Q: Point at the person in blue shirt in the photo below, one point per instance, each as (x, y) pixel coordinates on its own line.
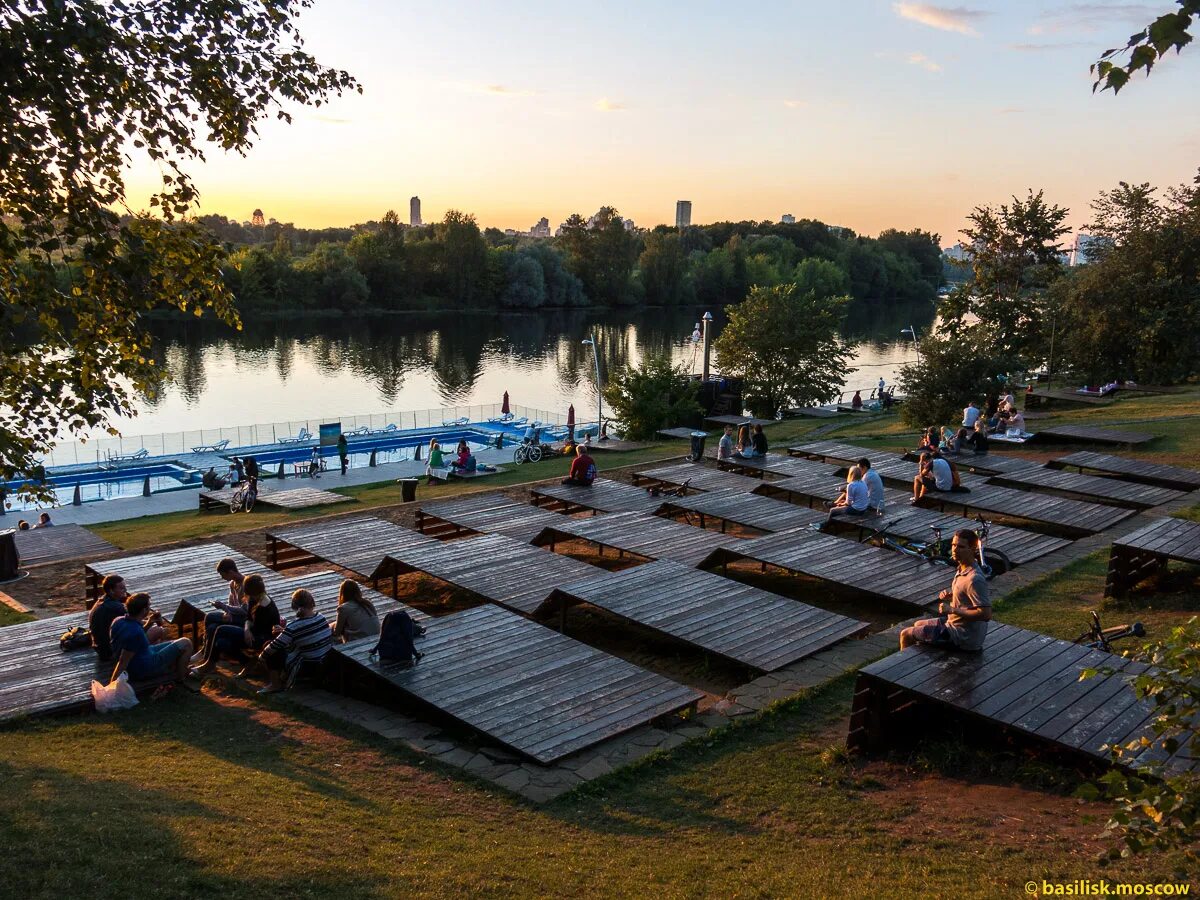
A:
(133, 649)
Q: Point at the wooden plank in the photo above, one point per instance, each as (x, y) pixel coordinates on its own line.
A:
(737, 421)
(740, 508)
(652, 537)
(41, 546)
(289, 498)
(732, 620)
(1088, 487)
(537, 692)
(1127, 469)
(490, 513)
(1091, 434)
(604, 495)
(169, 575)
(359, 544)
(694, 477)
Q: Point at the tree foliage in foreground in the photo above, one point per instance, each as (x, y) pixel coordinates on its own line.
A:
(651, 396)
(1170, 31)
(783, 344)
(89, 85)
(1158, 806)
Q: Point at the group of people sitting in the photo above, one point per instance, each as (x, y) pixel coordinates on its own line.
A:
(976, 428)
(751, 443)
(861, 497)
(439, 468)
(246, 627)
(42, 522)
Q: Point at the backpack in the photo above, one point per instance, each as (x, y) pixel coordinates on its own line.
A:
(75, 638)
(396, 634)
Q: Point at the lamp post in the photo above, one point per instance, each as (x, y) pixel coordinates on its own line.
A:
(916, 345)
(599, 391)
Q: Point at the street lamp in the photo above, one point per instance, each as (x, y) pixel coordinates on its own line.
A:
(916, 346)
(599, 392)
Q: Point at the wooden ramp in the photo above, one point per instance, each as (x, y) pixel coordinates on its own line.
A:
(652, 537)
(40, 546)
(489, 513)
(740, 508)
(286, 498)
(733, 620)
(871, 570)
(360, 544)
(1092, 435)
(494, 567)
(525, 686)
(1134, 470)
(603, 496)
(1089, 487)
(1021, 680)
(1145, 552)
(169, 575)
(697, 477)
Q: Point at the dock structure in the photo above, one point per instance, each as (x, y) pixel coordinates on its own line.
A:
(693, 476)
(42, 546)
(284, 498)
(1091, 488)
(1092, 435)
(1145, 553)
(523, 685)
(843, 564)
(603, 496)
(490, 513)
(1127, 469)
(169, 575)
(359, 544)
(639, 534)
(494, 567)
(1023, 682)
(736, 621)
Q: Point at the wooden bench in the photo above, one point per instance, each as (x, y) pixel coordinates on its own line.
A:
(169, 575)
(1145, 553)
(289, 498)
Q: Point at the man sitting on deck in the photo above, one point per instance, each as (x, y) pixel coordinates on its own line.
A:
(105, 611)
(874, 486)
(725, 445)
(228, 612)
(134, 652)
(962, 624)
(583, 469)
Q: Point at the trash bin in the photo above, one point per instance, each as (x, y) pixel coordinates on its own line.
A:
(10, 559)
(698, 446)
(408, 490)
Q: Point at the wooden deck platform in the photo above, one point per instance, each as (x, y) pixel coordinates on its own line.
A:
(525, 686)
(41, 546)
(1088, 487)
(1134, 470)
(917, 523)
(1092, 435)
(1065, 396)
(455, 475)
(489, 513)
(813, 412)
(1145, 552)
(986, 463)
(169, 575)
(639, 534)
(697, 477)
(735, 421)
(837, 561)
(495, 567)
(740, 508)
(838, 452)
(1021, 680)
(286, 498)
(603, 496)
(360, 544)
(733, 620)
(683, 434)
(774, 464)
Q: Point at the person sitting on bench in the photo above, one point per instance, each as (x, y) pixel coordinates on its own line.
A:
(465, 462)
(964, 610)
(933, 474)
(105, 611)
(134, 652)
(435, 470)
(231, 611)
(854, 501)
(725, 445)
(260, 625)
(356, 615)
(583, 469)
(874, 485)
(758, 445)
(299, 648)
(978, 439)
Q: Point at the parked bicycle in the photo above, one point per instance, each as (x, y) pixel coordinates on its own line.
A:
(530, 449)
(679, 490)
(243, 498)
(992, 562)
(1097, 637)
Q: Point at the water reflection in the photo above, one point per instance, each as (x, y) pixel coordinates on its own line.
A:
(292, 369)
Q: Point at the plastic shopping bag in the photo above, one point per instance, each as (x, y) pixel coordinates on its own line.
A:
(116, 695)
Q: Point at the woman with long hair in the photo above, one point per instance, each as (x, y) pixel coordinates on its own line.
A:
(356, 615)
(262, 624)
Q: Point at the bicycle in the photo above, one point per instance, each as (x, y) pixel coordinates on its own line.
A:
(243, 498)
(680, 490)
(992, 562)
(527, 452)
(1097, 637)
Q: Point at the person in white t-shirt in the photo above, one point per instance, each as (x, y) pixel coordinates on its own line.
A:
(725, 446)
(874, 486)
(854, 502)
(970, 415)
(933, 474)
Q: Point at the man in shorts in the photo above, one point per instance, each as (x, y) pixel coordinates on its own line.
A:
(963, 620)
(134, 652)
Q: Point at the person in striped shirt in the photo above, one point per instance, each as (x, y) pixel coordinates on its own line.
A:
(300, 646)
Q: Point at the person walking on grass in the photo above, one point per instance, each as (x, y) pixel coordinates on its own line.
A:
(964, 610)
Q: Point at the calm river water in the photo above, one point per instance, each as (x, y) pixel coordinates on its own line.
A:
(293, 369)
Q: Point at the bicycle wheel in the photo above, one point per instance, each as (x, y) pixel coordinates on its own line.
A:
(996, 562)
(519, 455)
(535, 454)
(235, 502)
(248, 503)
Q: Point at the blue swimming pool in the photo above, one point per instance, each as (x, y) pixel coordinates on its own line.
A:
(388, 448)
(108, 484)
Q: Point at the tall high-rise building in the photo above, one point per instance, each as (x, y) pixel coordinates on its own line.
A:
(541, 229)
(683, 213)
(414, 212)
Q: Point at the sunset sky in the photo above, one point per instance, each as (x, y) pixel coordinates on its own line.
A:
(866, 114)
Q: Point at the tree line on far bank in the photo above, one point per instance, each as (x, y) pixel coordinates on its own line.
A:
(454, 264)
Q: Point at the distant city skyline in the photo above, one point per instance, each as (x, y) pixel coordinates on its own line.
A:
(927, 112)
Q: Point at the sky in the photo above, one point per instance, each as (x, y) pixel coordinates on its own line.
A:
(869, 114)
